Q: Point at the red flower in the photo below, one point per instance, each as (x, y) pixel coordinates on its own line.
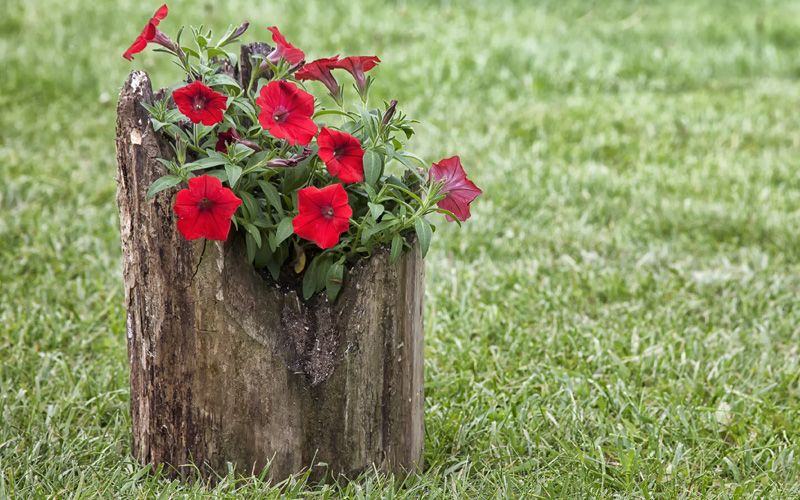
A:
(284, 49)
(342, 154)
(324, 214)
(357, 66)
(149, 34)
(230, 136)
(286, 111)
(200, 103)
(460, 190)
(205, 209)
(320, 70)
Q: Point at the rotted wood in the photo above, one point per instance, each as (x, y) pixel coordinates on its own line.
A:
(227, 367)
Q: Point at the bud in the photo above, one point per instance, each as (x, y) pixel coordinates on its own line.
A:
(263, 69)
(250, 144)
(163, 40)
(290, 162)
(387, 117)
(297, 66)
(232, 36)
(239, 31)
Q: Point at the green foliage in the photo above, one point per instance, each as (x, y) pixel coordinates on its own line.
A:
(266, 172)
(625, 326)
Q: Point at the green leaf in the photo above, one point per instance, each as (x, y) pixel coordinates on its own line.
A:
(219, 174)
(272, 196)
(296, 177)
(234, 172)
(153, 110)
(262, 257)
(216, 52)
(370, 192)
(252, 248)
(191, 52)
(274, 269)
(334, 280)
(171, 165)
(285, 229)
(157, 125)
(173, 115)
(377, 228)
(375, 209)
(163, 183)
(244, 105)
(424, 233)
(255, 159)
(251, 205)
(449, 213)
(325, 112)
(373, 166)
(315, 276)
(254, 232)
(276, 261)
(241, 151)
(406, 154)
(207, 162)
(397, 248)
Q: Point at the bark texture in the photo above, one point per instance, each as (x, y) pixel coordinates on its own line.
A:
(226, 367)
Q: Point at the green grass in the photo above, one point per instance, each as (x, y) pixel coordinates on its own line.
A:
(618, 318)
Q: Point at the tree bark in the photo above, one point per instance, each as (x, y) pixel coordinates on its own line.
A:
(226, 367)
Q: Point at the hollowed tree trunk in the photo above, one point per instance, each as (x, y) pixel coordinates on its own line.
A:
(226, 367)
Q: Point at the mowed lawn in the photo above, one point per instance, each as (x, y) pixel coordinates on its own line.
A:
(619, 317)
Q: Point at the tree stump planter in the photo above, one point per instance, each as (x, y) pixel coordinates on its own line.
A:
(226, 367)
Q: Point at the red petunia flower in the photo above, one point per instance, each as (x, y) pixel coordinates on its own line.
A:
(285, 110)
(230, 136)
(342, 154)
(284, 49)
(324, 215)
(460, 190)
(150, 34)
(205, 209)
(320, 71)
(357, 66)
(200, 104)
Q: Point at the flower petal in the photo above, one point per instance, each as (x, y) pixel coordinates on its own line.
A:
(460, 191)
(160, 14)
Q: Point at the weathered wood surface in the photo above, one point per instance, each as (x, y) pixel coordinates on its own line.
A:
(226, 367)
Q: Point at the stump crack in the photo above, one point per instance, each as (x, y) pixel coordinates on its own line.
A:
(311, 338)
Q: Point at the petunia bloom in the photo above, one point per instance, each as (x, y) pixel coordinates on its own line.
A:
(285, 111)
(230, 136)
(150, 33)
(342, 155)
(320, 71)
(324, 215)
(200, 104)
(283, 49)
(358, 66)
(460, 190)
(205, 209)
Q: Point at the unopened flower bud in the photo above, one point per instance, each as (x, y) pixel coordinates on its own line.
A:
(387, 116)
(290, 162)
(163, 40)
(239, 31)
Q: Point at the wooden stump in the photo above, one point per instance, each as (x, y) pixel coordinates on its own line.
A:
(228, 368)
